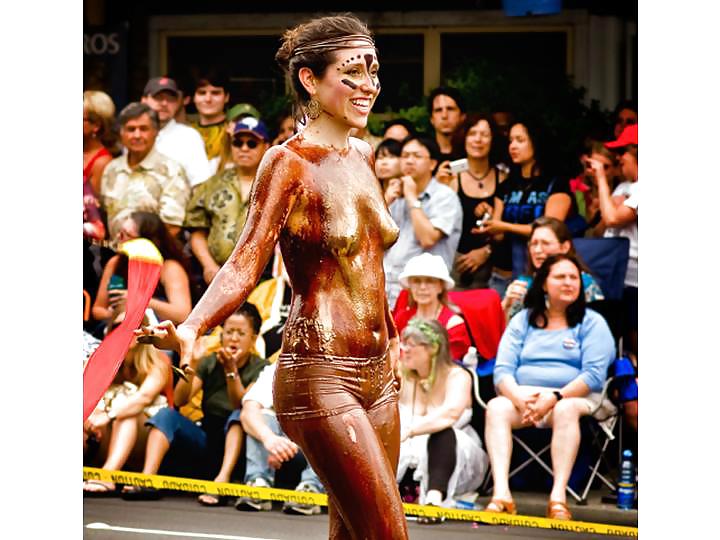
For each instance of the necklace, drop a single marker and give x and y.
(482, 178)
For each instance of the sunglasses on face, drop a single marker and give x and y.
(250, 143)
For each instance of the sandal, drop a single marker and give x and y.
(499, 506)
(140, 493)
(102, 489)
(213, 499)
(558, 510)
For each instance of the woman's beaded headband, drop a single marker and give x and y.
(342, 42)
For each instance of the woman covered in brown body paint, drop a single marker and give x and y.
(335, 392)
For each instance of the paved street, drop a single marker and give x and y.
(181, 517)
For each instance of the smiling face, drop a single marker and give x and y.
(210, 100)
(478, 140)
(350, 86)
(238, 335)
(521, 148)
(544, 243)
(563, 283)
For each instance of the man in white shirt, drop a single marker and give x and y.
(268, 448)
(177, 141)
(427, 212)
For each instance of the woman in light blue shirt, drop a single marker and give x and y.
(551, 366)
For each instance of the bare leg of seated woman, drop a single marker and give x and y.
(233, 446)
(565, 421)
(123, 439)
(501, 418)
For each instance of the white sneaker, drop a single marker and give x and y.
(293, 507)
(246, 504)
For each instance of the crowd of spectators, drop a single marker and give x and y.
(478, 205)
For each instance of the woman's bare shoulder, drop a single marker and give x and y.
(362, 146)
(458, 375)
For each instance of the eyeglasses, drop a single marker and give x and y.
(409, 345)
(414, 155)
(541, 243)
(250, 143)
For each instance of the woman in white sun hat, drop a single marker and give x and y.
(428, 281)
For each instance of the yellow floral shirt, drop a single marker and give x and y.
(217, 205)
(157, 184)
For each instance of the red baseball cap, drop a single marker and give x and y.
(629, 135)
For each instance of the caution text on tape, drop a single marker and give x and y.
(275, 494)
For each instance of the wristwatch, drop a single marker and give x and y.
(416, 204)
(231, 375)
(558, 395)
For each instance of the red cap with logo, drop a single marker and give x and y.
(629, 135)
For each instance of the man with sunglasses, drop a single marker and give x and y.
(218, 207)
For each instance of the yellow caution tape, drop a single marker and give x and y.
(274, 494)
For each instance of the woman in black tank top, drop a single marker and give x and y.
(477, 187)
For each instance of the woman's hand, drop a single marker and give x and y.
(444, 175)
(165, 336)
(228, 359)
(482, 208)
(95, 423)
(117, 301)
(393, 191)
(515, 292)
(491, 226)
(542, 405)
(472, 260)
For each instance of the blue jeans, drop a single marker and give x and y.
(499, 283)
(195, 451)
(257, 458)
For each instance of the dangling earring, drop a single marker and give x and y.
(547, 302)
(312, 109)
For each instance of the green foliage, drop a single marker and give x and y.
(273, 108)
(551, 100)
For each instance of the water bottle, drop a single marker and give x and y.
(626, 483)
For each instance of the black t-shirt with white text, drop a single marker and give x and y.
(524, 201)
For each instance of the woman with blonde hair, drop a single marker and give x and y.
(437, 441)
(98, 137)
(140, 389)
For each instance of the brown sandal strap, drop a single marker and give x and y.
(503, 506)
(556, 509)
